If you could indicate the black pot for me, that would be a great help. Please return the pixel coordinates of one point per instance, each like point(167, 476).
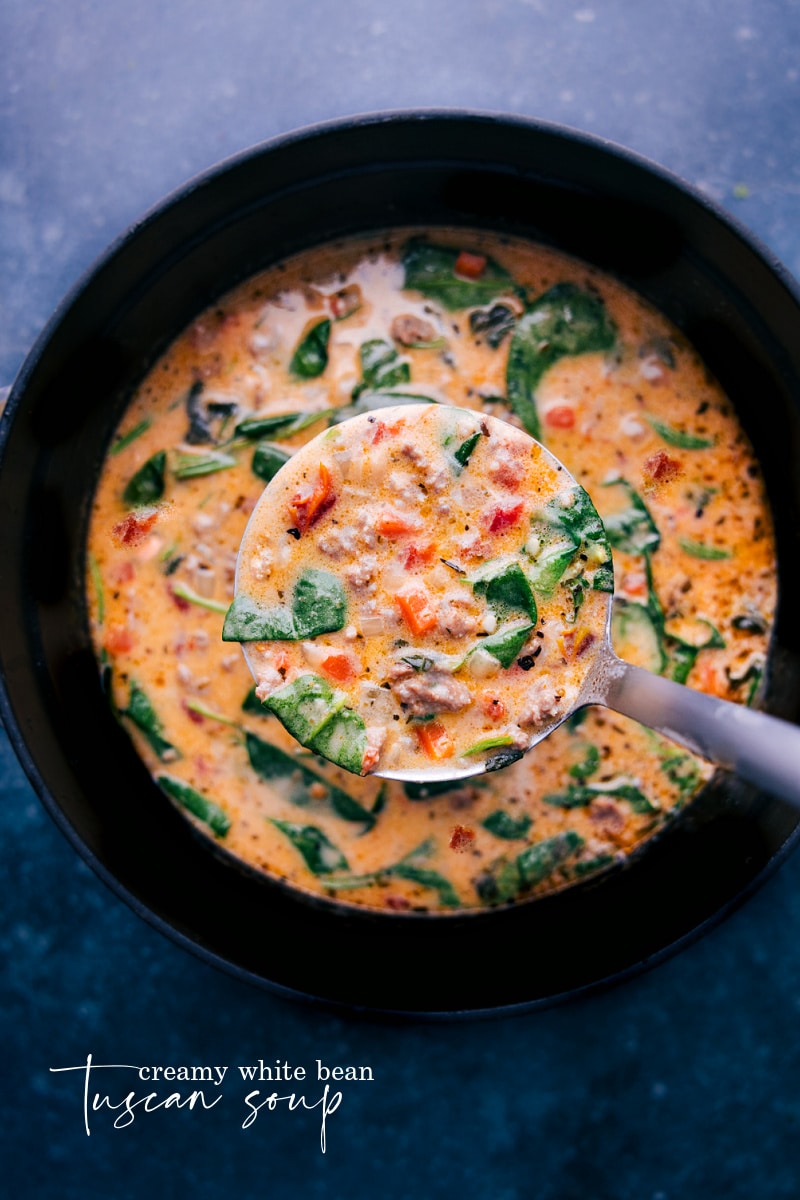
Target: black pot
point(581, 195)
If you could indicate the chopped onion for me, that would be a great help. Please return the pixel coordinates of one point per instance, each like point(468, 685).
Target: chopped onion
point(372, 625)
point(481, 664)
point(204, 580)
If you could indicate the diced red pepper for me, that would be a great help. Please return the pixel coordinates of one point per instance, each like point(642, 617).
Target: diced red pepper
point(306, 510)
point(419, 556)
point(493, 706)
point(461, 838)
point(418, 608)
point(118, 640)
point(434, 740)
point(471, 266)
point(339, 667)
point(503, 518)
point(394, 524)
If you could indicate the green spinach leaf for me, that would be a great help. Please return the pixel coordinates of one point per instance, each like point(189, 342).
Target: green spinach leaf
point(381, 367)
point(503, 825)
point(207, 811)
point(292, 780)
point(320, 855)
point(430, 269)
point(141, 712)
point(565, 320)
point(311, 356)
point(268, 460)
point(147, 485)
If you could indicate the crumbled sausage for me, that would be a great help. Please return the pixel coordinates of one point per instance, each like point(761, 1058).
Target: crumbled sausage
point(410, 331)
point(423, 692)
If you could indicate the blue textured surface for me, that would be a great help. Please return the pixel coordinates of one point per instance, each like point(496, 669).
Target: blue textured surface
point(684, 1082)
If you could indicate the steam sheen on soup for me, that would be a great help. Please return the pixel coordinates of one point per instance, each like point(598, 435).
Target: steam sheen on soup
point(490, 326)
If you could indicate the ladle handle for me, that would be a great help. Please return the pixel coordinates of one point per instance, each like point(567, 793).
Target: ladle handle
point(760, 748)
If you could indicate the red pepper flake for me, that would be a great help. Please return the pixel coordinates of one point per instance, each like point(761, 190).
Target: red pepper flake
point(660, 468)
point(469, 265)
point(504, 518)
point(461, 838)
point(135, 527)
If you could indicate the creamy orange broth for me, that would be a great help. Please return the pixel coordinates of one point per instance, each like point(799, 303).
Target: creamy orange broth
point(638, 422)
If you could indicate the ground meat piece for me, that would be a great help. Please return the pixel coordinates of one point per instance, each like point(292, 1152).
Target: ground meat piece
point(607, 815)
point(436, 475)
point(409, 330)
point(542, 702)
point(423, 692)
point(337, 543)
point(660, 468)
point(455, 616)
point(461, 838)
point(361, 577)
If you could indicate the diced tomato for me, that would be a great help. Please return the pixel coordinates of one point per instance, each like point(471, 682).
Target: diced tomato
point(471, 266)
point(503, 518)
point(418, 556)
point(339, 667)
point(398, 903)
point(135, 527)
point(345, 302)
point(394, 524)
point(493, 706)
point(419, 609)
point(434, 740)
point(461, 838)
point(118, 640)
point(560, 416)
point(305, 510)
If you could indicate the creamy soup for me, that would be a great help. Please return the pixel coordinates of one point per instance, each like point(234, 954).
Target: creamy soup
point(395, 574)
point(489, 326)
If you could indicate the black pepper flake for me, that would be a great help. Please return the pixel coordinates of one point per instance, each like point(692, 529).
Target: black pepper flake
point(526, 662)
point(295, 533)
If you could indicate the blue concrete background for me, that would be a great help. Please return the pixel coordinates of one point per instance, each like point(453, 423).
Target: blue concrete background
point(684, 1082)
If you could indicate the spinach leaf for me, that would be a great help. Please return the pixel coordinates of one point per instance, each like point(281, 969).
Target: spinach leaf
point(141, 712)
point(506, 644)
point(381, 367)
point(539, 861)
point(577, 795)
point(587, 764)
point(633, 625)
point(147, 485)
point(319, 605)
point(292, 780)
point(280, 425)
point(489, 743)
point(252, 704)
point(683, 653)
point(632, 529)
point(430, 269)
point(248, 621)
point(588, 866)
point(268, 460)
point(577, 516)
point(503, 825)
point(700, 550)
point(342, 739)
point(191, 466)
point(316, 715)
point(506, 589)
point(320, 854)
point(545, 573)
point(507, 878)
point(199, 805)
point(304, 706)
point(683, 772)
point(464, 452)
point(311, 356)
point(448, 896)
point(125, 439)
point(565, 320)
point(676, 437)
